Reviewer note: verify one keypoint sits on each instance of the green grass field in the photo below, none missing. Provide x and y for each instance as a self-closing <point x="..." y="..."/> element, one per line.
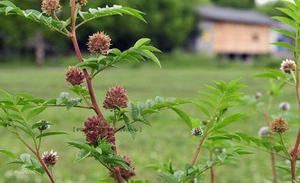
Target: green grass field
<point x="168" y="138"/>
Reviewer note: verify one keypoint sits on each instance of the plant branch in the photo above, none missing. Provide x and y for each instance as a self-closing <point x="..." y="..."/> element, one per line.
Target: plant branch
<point x="80" y="58"/>
<point x="87" y="76"/>
<point x="37" y="154"/>
<point x="196" y="155"/>
<point x="294" y="156"/>
<point x="82" y="107"/>
<point x="212" y="170"/>
<point x="273" y="164"/>
<point x="284" y="147"/>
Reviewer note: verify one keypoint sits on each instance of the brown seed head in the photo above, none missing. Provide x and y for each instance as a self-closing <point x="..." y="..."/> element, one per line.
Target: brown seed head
<point x="279" y="125"/>
<point x="74" y="76"/>
<point x="116" y="97"/>
<point x="50" y="7"/>
<point x="96" y="128"/>
<point x="99" y="43"/>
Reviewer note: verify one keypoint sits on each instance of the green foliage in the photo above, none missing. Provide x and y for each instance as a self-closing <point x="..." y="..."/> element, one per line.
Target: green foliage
<point x="290" y="17"/>
<point x="102" y="153"/>
<point x="8" y="8"/>
<point x="139" y="112"/>
<point x="169" y="22"/>
<point x="245" y="4"/>
<point x="141" y="51"/>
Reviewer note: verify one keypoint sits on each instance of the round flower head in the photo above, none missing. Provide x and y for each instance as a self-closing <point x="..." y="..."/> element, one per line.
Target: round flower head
<point x="82" y="2"/>
<point x="99" y="43"/>
<point x="264" y="132"/>
<point x="258" y="95"/>
<point x="74" y="76"/>
<point x="197" y="131"/>
<point x="279" y="125"/>
<point x="44" y="125"/>
<point x="96" y="128"/>
<point x="285" y="106"/>
<point x="116" y="97"/>
<point x="287" y="66"/>
<point x="125" y="173"/>
<point x="50" y="158"/>
<point x="50" y="7"/>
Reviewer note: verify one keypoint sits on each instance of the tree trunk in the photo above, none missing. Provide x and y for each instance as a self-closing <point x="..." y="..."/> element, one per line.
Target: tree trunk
<point x="39" y="46"/>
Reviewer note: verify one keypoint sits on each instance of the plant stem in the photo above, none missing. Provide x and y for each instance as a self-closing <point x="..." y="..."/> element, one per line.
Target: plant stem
<point x="37" y="154"/>
<point x="273" y="163"/>
<point x="284" y="147"/>
<point x="294" y="151"/>
<point x="212" y="170"/>
<point x="294" y="156"/>
<point x="87" y="76"/>
<point x="196" y="155"/>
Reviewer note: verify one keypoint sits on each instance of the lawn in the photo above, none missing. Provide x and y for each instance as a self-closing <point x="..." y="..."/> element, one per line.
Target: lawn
<point x="168" y="138"/>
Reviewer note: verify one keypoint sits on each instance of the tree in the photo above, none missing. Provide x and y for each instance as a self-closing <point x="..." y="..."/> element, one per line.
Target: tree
<point x="270" y="8"/>
<point x="169" y="22"/>
<point x="244" y="4"/>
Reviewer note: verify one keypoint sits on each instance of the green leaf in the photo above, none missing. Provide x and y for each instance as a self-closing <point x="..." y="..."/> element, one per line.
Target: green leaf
<point x="285" y="32"/>
<point x="286" y="21"/>
<point x="82" y="154"/>
<point x="186" y="118"/>
<point x="8" y="8"/>
<point x="289" y="13"/>
<point x="51" y="134"/>
<point x="8" y="153"/>
<point x="94" y="13"/>
<point x="141" y="42"/>
<point x="152" y="57"/>
<point x="35" y="111"/>
<point x="272" y="74"/>
<point x="229" y="120"/>
<point x="285" y="45"/>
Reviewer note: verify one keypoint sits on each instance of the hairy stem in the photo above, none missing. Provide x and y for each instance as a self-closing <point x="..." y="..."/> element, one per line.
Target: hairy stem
<point x="87" y="76"/>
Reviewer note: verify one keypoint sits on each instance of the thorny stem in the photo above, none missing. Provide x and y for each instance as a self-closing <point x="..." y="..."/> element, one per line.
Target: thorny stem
<point x="37" y="154"/>
<point x="87" y="76"/>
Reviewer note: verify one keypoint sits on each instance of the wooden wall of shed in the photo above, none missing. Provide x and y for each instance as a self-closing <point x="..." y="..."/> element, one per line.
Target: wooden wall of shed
<point x="241" y="38"/>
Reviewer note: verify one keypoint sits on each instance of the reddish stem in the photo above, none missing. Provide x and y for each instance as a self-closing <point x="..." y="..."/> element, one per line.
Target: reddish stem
<point x="196" y="155"/>
<point x="212" y="175"/>
<point x="294" y="156"/>
<point x="37" y="154"/>
<point x="273" y="162"/>
<point x="273" y="158"/>
<point x="92" y="94"/>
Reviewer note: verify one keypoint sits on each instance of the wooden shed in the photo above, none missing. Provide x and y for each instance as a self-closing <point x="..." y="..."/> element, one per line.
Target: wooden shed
<point x="227" y="31"/>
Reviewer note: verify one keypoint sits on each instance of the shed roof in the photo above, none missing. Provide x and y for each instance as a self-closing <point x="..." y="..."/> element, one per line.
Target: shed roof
<point x="233" y="15"/>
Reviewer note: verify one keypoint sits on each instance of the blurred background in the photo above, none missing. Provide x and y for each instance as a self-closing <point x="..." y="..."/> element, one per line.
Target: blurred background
<point x="201" y="40"/>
